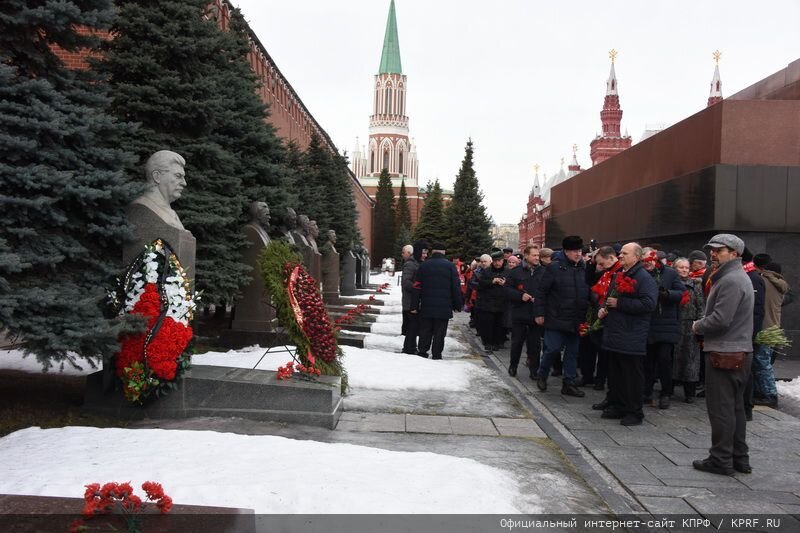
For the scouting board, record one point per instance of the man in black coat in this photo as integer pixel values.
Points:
(438, 293)
(491, 303)
(559, 305)
(521, 284)
(626, 326)
(665, 329)
(413, 257)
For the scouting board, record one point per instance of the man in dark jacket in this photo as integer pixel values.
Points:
(438, 294)
(559, 305)
(413, 256)
(665, 329)
(521, 284)
(491, 303)
(626, 325)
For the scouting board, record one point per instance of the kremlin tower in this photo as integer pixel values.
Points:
(389, 146)
(715, 94)
(611, 142)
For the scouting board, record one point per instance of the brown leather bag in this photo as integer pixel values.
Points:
(727, 360)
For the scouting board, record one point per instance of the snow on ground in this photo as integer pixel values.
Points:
(266, 473)
(453, 348)
(393, 328)
(789, 388)
(16, 360)
(395, 318)
(366, 369)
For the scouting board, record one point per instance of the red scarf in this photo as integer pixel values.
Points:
(601, 287)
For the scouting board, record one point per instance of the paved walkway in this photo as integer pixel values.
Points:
(649, 467)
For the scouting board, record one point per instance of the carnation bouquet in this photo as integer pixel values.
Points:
(156, 288)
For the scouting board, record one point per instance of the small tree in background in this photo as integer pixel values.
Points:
(403, 223)
(468, 224)
(384, 218)
(431, 224)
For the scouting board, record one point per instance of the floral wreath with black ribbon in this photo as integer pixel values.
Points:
(156, 287)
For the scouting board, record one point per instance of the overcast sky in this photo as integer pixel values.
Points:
(524, 78)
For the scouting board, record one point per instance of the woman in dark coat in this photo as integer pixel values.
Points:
(687, 352)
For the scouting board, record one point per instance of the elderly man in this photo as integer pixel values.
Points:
(727, 330)
(632, 297)
(560, 304)
(491, 303)
(412, 257)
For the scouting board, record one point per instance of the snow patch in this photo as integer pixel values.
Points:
(16, 360)
(266, 473)
(789, 388)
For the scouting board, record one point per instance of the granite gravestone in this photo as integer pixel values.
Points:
(330, 270)
(151, 215)
(347, 274)
(253, 309)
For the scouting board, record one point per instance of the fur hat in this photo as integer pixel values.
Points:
(573, 242)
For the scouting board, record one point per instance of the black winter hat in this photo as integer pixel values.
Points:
(438, 246)
(761, 260)
(497, 255)
(697, 255)
(418, 247)
(573, 242)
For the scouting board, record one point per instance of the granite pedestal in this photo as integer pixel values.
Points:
(229, 392)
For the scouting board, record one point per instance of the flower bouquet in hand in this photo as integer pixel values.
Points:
(622, 285)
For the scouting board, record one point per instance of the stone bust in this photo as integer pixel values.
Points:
(259, 220)
(166, 179)
(330, 245)
(301, 234)
(290, 223)
(313, 234)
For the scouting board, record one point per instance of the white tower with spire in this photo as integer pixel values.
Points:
(715, 94)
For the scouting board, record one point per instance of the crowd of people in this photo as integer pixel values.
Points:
(618, 318)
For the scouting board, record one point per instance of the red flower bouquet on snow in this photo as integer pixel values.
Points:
(156, 288)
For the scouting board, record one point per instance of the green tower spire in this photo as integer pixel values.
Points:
(390, 57)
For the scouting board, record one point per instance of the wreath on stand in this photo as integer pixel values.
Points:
(301, 311)
(155, 287)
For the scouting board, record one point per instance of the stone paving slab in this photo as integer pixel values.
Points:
(518, 427)
(711, 482)
(723, 505)
(666, 505)
(669, 492)
(632, 473)
(372, 422)
(464, 425)
(428, 424)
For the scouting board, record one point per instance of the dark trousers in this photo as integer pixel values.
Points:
(625, 382)
(529, 334)
(658, 365)
(431, 336)
(490, 327)
(411, 322)
(725, 404)
(405, 320)
(591, 361)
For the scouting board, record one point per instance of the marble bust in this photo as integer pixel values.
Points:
(259, 220)
(289, 224)
(330, 245)
(166, 179)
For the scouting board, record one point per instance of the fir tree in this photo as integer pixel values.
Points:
(62, 189)
(342, 206)
(189, 85)
(403, 211)
(384, 219)
(312, 182)
(431, 223)
(468, 225)
(404, 237)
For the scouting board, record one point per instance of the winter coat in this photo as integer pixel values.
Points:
(491, 296)
(562, 295)
(664, 323)
(728, 322)
(759, 295)
(627, 326)
(521, 280)
(775, 289)
(437, 288)
(409, 269)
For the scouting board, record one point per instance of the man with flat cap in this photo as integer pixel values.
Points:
(437, 293)
(727, 330)
(559, 305)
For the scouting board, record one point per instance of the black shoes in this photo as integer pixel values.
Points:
(541, 383)
(707, 465)
(663, 402)
(422, 354)
(631, 420)
(568, 389)
(744, 468)
(748, 415)
(611, 413)
(512, 371)
(599, 386)
(689, 399)
(600, 406)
